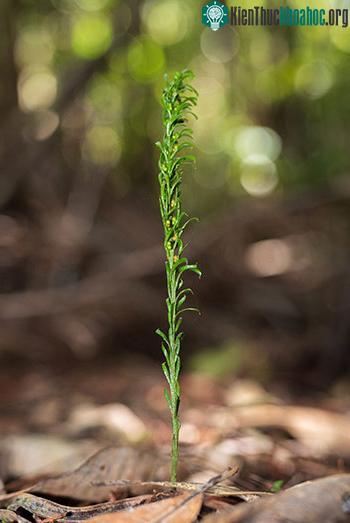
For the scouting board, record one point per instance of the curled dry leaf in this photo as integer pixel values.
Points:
(109, 463)
(182, 508)
(325, 500)
(44, 508)
(178, 509)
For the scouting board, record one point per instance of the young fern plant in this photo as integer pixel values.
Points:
(178, 100)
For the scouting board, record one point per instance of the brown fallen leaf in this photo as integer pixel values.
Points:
(325, 500)
(178, 509)
(323, 432)
(117, 418)
(29, 454)
(217, 504)
(108, 463)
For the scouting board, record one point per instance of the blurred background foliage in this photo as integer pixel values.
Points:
(80, 260)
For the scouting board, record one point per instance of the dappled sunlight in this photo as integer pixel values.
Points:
(220, 48)
(91, 5)
(91, 36)
(269, 257)
(167, 22)
(314, 79)
(146, 60)
(256, 140)
(102, 146)
(37, 89)
(258, 175)
(34, 46)
(46, 123)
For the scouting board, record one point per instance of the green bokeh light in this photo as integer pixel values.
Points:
(102, 146)
(91, 36)
(167, 21)
(146, 60)
(93, 5)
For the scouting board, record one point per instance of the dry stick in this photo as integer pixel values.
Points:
(185, 485)
(209, 484)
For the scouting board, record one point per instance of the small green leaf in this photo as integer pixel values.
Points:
(183, 227)
(166, 372)
(181, 301)
(193, 309)
(178, 325)
(177, 367)
(166, 355)
(197, 271)
(167, 398)
(163, 336)
(277, 485)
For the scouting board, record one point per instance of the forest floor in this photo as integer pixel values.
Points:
(91, 442)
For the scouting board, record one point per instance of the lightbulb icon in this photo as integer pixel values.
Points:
(215, 15)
